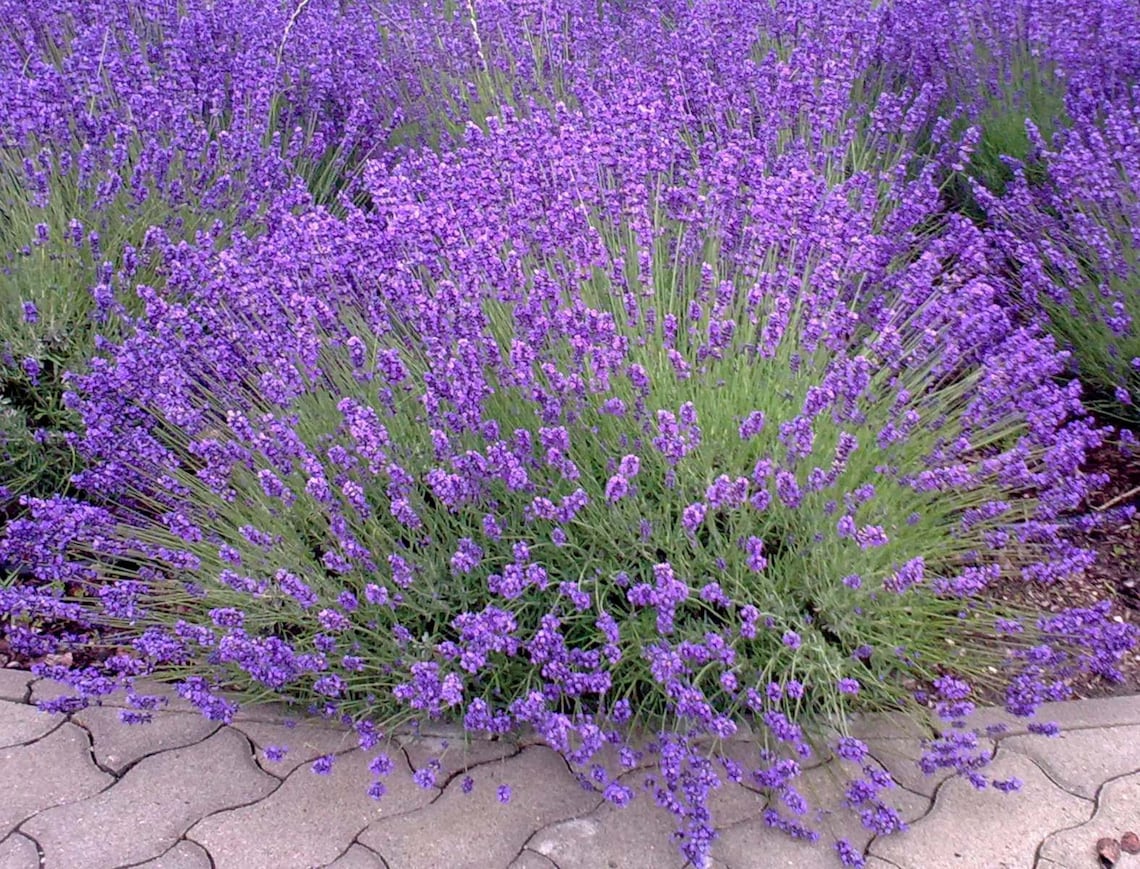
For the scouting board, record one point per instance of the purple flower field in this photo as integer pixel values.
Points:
(625, 373)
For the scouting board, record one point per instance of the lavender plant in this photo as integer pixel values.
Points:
(130, 128)
(133, 127)
(580, 451)
(677, 406)
(1043, 97)
(1073, 236)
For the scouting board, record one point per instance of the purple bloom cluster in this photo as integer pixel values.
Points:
(643, 397)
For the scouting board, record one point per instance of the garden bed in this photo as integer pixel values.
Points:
(578, 368)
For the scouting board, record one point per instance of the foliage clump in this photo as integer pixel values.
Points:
(666, 397)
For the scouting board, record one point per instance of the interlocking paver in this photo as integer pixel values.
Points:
(475, 830)
(1097, 712)
(638, 836)
(824, 788)
(453, 756)
(276, 712)
(454, 731)
(1118, 809)
(305, 742)
(887, 725)
(900, 758)
(357, 857)
(608, 756)
(310, 819)
(54, 770)
(14, 684)
(118, 745)
(184, 855)
(1080, 761)
(747, 754)
(20, 723)
(192, 789)
(48, 689)
(968, 828)
(152, 805)
(18, 852)
(529, 859)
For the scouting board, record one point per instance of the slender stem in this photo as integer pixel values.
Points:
(1122, 497)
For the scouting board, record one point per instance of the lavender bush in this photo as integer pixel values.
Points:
(1073, 238)
(1044, 96)
(131, 127)
(663, 398)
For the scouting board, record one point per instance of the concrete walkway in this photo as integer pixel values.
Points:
(86, 792)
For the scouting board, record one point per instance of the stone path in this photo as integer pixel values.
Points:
(86, 792)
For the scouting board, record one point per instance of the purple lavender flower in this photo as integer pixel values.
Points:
(617, 487)
(752, 425)
(466, 557)
(32, 368)
(692, 517)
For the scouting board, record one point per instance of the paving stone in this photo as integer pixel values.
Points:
(1098, 712)
(969, 828)
(730, 804)
(118, 745)
(47, 689)
(357, 857)
(305, 742)
(20, 723)
(150, 808)
(310, 819)
(890, 725)
(747, 754)
(824, 789)
(1080, 761)
(18, 852)
(475, 830)
(1118, 809)
(273, 712)
(754, 844)
(453, 756)
(609, 757)
(528, 859)
(900, 757)
(454, 731)
(14, 684)
(184, 855)
(744, 747)
(638, 836)
(49, 772)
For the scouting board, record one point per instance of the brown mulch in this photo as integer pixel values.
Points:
(1115, 576)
